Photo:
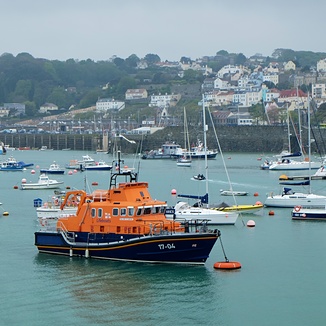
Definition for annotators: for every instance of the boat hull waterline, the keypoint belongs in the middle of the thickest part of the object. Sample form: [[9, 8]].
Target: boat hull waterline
[[174, 248]]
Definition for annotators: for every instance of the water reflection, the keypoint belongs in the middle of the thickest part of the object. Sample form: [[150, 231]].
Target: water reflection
[[133, 293]]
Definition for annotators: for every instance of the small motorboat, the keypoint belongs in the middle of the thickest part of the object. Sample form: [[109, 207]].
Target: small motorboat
[[53, 169], [306, 213], [199, 177], [10, 166], [43, 183], [244, 209], [233, 193], [98, 166], [51, 208], [183, 161]]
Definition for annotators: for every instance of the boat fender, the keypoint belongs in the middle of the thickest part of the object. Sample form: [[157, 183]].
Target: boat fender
[[297, 208]]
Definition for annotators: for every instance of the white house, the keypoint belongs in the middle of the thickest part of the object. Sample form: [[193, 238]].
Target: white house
[[247, 98], [4, 112], [271, 77], [231, 69], [166, 100], [220, 83], [220, 97], [321, 65], [47, 107], [318, 90], [290, 65], [136, 94], [106, 104]]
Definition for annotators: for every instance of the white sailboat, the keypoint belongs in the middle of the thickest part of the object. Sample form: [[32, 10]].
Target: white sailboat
[[289, 198], [185, 160], [201, 210], [286, 161]]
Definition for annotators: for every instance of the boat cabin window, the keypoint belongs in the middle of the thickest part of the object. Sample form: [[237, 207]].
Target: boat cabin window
[[147, 210], [156, 209], [162, 209], [100, 213], [142, 194], [139, 211], [123, 211], [93, 212], [131, 211], [115, 211]]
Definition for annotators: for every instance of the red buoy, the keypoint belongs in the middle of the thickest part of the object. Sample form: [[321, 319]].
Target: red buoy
[[15, 187], [256, 194], [94, 183], [271, 213], [229, 265]]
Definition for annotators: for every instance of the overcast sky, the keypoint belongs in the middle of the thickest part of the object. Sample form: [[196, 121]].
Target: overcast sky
[[99, 29]]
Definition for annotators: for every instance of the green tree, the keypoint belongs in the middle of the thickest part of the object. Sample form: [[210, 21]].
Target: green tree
[[222, 52], [58, 96], [124, 84], [23, 91], [240, 59], [132, 61], [257, 113], [90, 98], [152, 58], [186, 60], [30, 109], [321, 113]]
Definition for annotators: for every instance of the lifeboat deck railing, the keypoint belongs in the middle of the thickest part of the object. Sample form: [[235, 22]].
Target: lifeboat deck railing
[[69, 235]]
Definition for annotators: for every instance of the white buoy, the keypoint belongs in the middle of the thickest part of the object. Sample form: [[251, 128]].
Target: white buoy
[[32, 171], [24, 180], [173, 192], [251, 224]]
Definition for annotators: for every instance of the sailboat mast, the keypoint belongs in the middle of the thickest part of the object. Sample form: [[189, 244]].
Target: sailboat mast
[[309, 143], [288, 123], [205, 144]]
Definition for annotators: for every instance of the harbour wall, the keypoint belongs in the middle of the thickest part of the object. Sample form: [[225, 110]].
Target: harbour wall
[[260, 139]]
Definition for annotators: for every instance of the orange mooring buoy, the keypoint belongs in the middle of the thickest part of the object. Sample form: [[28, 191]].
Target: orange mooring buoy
[[256, 194], [271, 213], [229, 265]]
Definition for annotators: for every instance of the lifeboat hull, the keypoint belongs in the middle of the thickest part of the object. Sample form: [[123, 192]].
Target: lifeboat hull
[[185, 248]]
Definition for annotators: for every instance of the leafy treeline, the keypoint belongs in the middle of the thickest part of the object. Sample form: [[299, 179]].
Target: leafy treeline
[[35, 81]]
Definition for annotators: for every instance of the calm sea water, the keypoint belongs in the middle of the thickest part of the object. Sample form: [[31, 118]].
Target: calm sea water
[[283, 261]]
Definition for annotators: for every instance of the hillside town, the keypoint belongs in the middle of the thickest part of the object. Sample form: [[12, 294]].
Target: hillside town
[[231, 92]]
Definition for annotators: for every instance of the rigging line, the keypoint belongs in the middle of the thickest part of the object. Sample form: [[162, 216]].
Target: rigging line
[[314, 108], [226, 259], [224, 164], [297, 137]]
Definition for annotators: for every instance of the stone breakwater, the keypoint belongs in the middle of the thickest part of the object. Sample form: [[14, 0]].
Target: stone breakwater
[[242, 139]]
